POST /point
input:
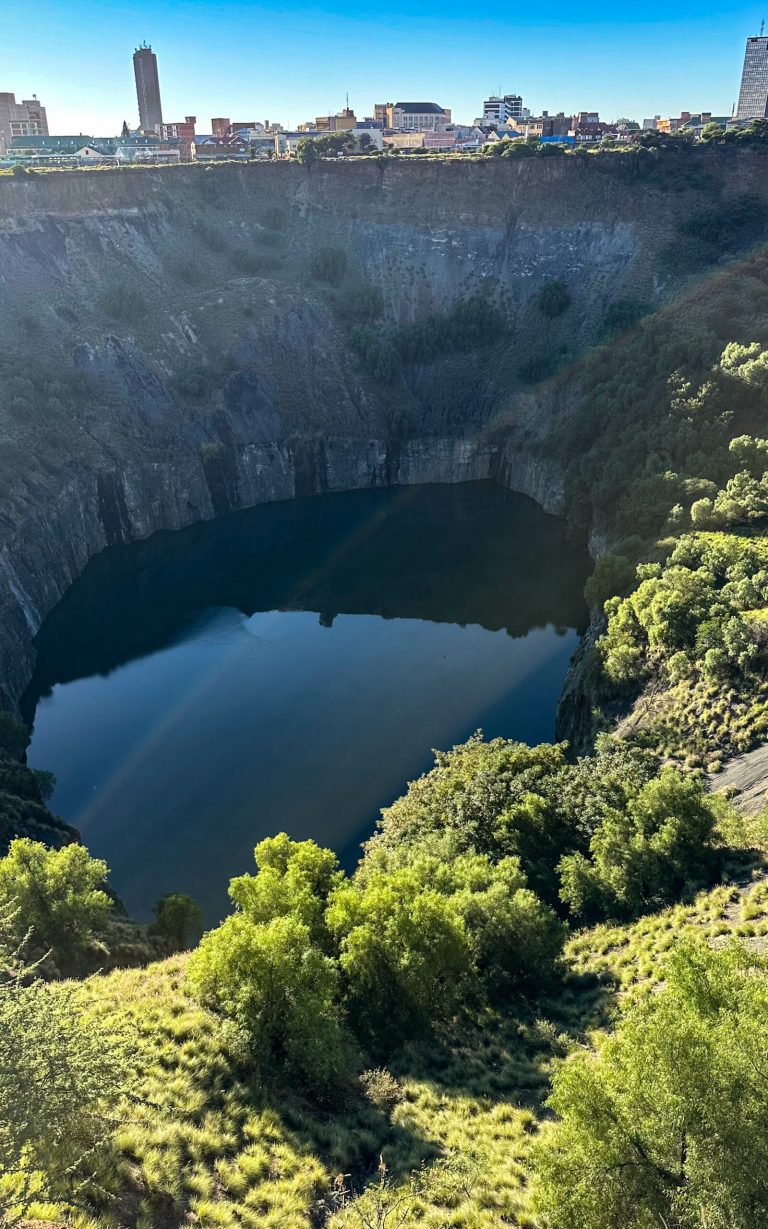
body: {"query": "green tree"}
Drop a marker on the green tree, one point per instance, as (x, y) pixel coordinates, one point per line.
(405, 955)
(711, 132)
(643, 854)
(554, 298)
(280, 988)
(59, 895)
(63, 1070)
(307, 152)
(14, 736)
(178, 920)
(613, 574)
(666, 1124)
(295, 878)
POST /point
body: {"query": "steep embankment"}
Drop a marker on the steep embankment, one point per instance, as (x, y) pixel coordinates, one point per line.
(177, 343)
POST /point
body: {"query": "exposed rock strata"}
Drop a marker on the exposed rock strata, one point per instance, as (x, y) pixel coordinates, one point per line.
(167, 354)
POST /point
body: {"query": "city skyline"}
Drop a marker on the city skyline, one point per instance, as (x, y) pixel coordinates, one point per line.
(292, 66)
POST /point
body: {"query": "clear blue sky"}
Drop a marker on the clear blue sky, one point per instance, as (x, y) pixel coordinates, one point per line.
(290, 63)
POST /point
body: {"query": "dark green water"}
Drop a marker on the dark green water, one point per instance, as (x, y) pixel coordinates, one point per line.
(290, 668)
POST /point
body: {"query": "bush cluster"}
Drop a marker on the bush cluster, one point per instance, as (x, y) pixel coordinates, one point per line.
(390, 952)
(667, 1122)
(467, 326)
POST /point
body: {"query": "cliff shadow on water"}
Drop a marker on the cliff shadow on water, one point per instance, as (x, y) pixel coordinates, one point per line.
(289, 666)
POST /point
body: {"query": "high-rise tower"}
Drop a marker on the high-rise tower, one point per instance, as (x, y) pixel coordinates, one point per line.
(753, 95)
(147, 88)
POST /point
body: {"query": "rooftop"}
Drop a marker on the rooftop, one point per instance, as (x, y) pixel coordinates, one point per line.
(419, 108)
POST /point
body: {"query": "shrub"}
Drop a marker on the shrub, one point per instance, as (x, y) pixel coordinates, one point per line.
(643, 857)
(623, 315)
(553, 299)
(294, 879)
(178, 920)
(280, 988)
(14, 736)
(537, 367)
(381, 1088)
(63, 1071)
(667, 1123)
(58, 895)
(404, 952)
(359, 303)
(613, 574)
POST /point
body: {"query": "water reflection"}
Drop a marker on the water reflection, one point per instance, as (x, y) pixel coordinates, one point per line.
(290, 667)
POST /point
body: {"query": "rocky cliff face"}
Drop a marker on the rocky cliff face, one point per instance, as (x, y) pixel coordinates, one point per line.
(176, 343)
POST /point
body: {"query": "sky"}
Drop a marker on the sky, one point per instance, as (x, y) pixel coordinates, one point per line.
(290, 62)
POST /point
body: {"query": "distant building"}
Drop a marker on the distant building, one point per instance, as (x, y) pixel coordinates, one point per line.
(80, 150)
(147, 89)
(183, 134)
(687, 121)
(753, 95)
(342, 121)
(217, 148)
(546, 125)
(408, 141)
(20, 119)
(220, 126)
(498, 109)
(412, 116)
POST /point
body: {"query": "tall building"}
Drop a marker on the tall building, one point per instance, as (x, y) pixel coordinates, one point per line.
(498, 109)
(147, 88)
(753, 95)
(20, 119)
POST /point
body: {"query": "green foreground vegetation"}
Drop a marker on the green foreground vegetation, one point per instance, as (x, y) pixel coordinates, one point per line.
(389, 1048)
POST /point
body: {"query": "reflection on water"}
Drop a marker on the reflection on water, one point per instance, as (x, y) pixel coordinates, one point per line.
(290, 667)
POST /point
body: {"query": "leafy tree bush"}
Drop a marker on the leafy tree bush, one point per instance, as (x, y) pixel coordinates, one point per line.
(59, 895)
(554, 298)
(613, 816)
(623, 315)
(294, 879)
(381, 1088)
(643, 856)
(667, 1123)
(359, 303)
(404, 952)
(700, 600)
(14, 736)
(63, 1069)
(310, 149)
(469, 325)
(536, 368)
(178, 920)
(280, 988)
(613, 574)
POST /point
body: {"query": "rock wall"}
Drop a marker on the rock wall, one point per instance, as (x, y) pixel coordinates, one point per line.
(169, 348)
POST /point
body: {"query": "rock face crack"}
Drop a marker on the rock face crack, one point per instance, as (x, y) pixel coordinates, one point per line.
(113, 512)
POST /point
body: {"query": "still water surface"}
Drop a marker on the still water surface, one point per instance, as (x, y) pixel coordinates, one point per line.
(290, 668)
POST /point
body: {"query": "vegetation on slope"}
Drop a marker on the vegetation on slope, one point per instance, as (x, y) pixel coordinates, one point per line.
(247, 1082)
